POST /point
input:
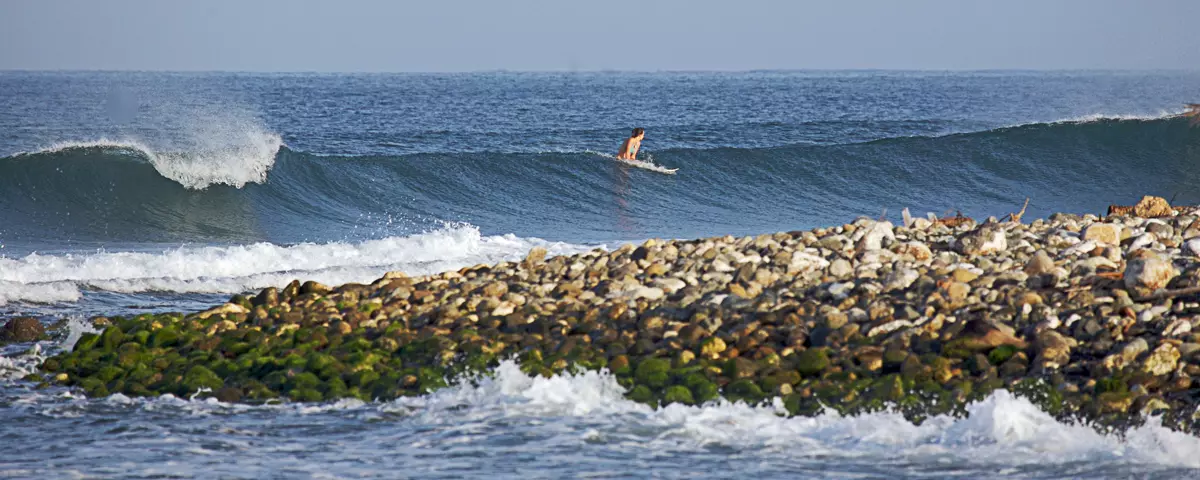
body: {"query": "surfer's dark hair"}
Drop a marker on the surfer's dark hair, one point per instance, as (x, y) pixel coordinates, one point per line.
(638, 131)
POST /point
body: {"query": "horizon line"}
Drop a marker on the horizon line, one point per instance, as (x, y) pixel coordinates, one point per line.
(614, 71)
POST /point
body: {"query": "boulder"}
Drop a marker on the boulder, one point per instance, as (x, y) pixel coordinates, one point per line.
(1147, 270)
(22, 329)
(1149, 207)
(873, 236)
(1108, 233)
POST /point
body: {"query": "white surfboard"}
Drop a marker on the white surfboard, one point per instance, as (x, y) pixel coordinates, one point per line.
(643, 164)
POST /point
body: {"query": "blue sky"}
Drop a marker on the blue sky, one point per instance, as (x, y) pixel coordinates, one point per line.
(472, 35)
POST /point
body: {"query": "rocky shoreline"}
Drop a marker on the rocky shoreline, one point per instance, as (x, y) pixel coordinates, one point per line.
(1090, 318)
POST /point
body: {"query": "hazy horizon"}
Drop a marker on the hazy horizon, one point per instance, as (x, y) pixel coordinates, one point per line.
(374, 36)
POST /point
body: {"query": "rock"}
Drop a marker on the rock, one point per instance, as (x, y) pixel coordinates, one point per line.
(670, 285)
(840, 268)
(1162, 360)
(1150, 207)
(506, 308)
(1039, 264)
(1053, 350)
(313, 287)
(1192, 247)
(712, 347)
(986, 239)
(981, 336)
(873, 236)
(900, 279)
(919, 251)
(1108, 233)
(22, 329)
(803, 262)
(226, 309)
(963, 275)
(648, 293)
(957, 292)
(536, 256)
(1148, 270)
(1129, 352)
(841, 290)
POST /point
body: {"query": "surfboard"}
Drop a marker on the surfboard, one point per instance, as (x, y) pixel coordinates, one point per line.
(653, 167)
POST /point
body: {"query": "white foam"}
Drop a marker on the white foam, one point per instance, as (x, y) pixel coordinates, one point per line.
(245, 157)
(1001, 432)
(199, 147)
(233, 269)
(1003, 429)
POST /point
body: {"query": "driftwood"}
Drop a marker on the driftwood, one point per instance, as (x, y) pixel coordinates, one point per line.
(954, 221)
(1016, 217)
(1119, 210)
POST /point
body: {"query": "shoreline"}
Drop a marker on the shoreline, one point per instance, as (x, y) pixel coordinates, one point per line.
(1090, 318)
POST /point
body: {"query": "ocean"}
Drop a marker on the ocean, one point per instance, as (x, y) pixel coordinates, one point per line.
(131, 192)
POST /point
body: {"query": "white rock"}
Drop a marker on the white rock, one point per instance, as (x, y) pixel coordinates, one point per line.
(841, 290)
(648, 293)
(1148, 270)
(900, 279)
(505, 308)
(1079, 248)
(1143, 241)
(873, 235)
(803, 262)
(1192, 247)
(889, 327)
(1109, 233)
(670, 284)
(1178, 327)
(840, 268)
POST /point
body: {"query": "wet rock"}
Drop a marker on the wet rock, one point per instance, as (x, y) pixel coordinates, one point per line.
(226, 309)
(22, 329)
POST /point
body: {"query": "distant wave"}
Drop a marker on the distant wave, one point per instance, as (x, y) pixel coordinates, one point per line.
(122, 191)
(241, 161)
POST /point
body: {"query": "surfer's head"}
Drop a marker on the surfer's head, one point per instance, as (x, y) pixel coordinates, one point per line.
(637, 132)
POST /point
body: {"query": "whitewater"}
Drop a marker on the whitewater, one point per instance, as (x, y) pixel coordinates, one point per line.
(214, 185)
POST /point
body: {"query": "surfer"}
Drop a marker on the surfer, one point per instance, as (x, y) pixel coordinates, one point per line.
(629, 149)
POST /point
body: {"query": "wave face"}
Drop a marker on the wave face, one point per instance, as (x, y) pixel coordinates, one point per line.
(81, 194)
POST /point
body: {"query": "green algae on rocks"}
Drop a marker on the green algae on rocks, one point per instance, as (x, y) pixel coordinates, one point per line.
(922, 318)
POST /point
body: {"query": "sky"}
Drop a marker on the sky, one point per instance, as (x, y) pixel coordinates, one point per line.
(572, 35)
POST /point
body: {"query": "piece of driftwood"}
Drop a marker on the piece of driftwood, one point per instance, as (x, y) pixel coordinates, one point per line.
(956, 220)
(1016, 217)
(1119, 210)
